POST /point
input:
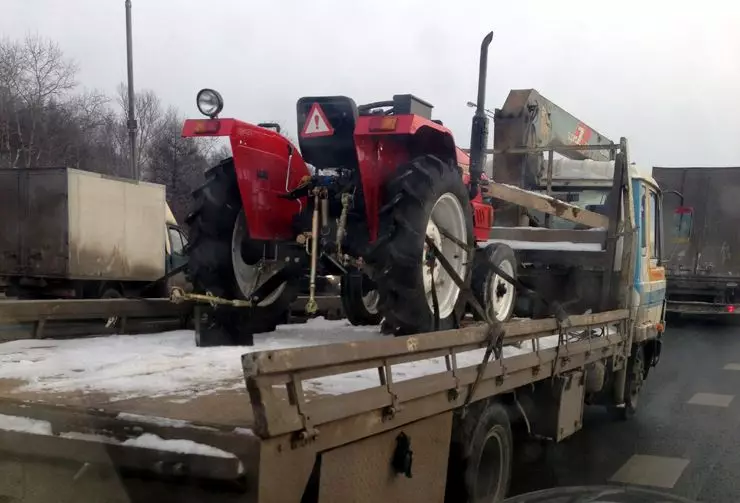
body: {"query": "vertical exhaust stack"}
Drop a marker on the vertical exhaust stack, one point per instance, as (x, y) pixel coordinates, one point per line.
(479, 133)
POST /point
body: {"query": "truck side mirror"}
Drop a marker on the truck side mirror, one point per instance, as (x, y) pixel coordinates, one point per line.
(683, 221)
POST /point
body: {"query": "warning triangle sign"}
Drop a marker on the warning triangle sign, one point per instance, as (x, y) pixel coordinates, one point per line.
(316, 123)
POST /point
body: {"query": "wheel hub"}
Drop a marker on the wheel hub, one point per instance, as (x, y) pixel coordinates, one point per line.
(250, 273)
(370, 300)
(447, 214)
(502, 292)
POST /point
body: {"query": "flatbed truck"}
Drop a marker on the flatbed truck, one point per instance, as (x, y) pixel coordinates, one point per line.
(427, 417)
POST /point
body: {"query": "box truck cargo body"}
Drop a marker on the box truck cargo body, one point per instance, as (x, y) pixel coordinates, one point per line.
(63, 226)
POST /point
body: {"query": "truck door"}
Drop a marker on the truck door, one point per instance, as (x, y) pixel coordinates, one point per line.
(651, 283)
(176, 256)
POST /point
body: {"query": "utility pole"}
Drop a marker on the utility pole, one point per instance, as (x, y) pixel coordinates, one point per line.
(132, 126)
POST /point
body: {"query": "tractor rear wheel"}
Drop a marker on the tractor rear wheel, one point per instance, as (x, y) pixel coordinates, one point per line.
(426, 197)
(223, 261)
(360, 299)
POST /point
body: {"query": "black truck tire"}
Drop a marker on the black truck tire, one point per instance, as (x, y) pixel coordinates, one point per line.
(481, 454)
(211, 267)
(632, 386)
(360, 297)
(425, 187)
(110, 292)
(496, 295)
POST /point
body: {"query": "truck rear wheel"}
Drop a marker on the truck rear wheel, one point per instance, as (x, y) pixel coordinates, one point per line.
(224, 262)
(496, 295)
(426, 197)
(109, 292)
(360, 299)
(479, 469)
(633, 384)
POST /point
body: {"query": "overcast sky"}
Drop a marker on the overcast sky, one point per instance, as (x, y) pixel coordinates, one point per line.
(664, 74)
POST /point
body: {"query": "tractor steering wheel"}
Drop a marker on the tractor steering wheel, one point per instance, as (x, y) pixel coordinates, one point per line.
(371, 108)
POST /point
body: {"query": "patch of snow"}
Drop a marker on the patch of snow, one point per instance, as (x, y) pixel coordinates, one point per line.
(364, 379)
(160, 421)
(25, 425)
(182, 446)
(89, 437)
(151, 441)
(154, 365)
(244, 431)
(539, 245)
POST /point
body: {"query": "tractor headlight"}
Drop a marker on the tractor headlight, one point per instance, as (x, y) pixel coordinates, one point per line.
(210, 102)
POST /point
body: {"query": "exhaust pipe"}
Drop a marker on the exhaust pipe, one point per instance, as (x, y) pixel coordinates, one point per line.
(479, 133)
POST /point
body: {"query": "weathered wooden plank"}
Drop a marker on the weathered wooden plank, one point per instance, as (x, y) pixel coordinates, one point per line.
(547, 204)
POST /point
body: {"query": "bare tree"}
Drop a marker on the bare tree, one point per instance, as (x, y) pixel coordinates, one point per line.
(176, 162)
(46, 76)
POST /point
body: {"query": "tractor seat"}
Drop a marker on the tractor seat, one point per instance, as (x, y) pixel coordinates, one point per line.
(329, 145)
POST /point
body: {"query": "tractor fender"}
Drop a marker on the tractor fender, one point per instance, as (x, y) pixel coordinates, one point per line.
(266, 165)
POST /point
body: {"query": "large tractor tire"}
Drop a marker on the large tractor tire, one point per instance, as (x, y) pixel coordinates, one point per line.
(496, 295)
(426, 197)
(360, 299)
(225, 263)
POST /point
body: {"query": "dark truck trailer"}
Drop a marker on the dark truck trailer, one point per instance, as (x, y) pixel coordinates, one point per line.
(702, 240)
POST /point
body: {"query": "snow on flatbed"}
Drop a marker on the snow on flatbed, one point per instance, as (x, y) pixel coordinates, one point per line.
(166, 376)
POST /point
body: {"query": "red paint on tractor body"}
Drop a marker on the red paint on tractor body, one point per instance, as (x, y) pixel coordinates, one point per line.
(261, 164)
(381, 152)
(482, 211)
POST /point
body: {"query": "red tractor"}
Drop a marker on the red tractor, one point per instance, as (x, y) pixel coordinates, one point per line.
(369, 187)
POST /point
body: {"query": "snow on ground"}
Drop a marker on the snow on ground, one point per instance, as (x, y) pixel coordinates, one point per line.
(548, 245)
(152, 365)
(24, 425)
(169, 364)
(355, 381)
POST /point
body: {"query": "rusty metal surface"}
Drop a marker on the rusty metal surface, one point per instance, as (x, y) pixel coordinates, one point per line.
(554, 126)
(66, 223)
(10, 222)
(360, 472)
(713, 249)
(33, 206)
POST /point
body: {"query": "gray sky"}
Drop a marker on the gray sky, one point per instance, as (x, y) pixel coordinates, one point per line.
(665, 74)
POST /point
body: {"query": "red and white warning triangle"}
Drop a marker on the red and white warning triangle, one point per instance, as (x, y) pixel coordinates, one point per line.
(316, 124)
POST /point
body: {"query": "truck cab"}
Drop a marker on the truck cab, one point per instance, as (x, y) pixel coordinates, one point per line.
(649, 277)
(175, 243)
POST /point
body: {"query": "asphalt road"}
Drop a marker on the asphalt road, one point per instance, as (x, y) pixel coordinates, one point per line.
(685, 438)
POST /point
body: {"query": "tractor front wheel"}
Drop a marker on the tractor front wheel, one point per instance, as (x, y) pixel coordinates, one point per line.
(225, 262)
(426, 198)
(360, 299)
(496, 295)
